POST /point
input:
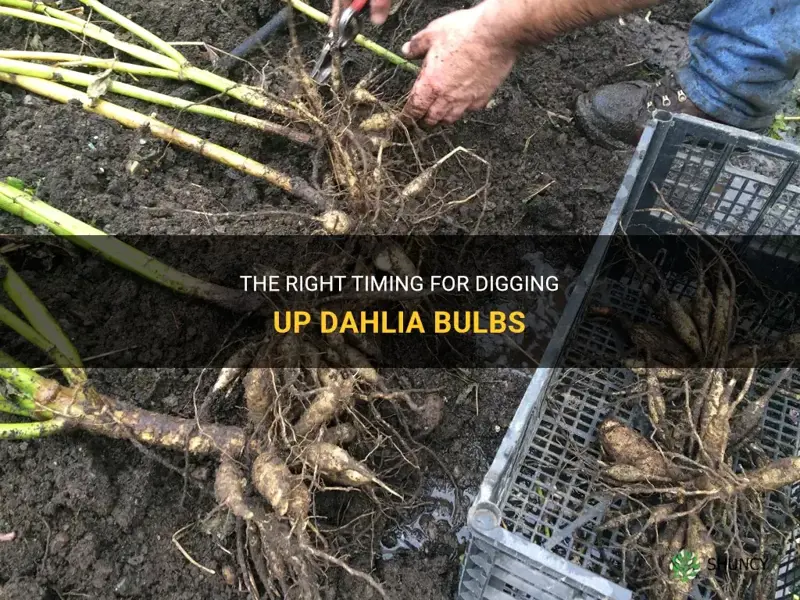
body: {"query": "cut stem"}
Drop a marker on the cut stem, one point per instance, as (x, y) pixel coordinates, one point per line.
(44, 9)
(34, 337)
(137, 30)
(362, 41)
(84, 79)
(26, 384)
(92, 31)
(37, 314)
(76, 60)
(183, 70)
(12, 408)
(244, 93)
(26, 381)
(23, 406)
(134, 120)
(35, 211)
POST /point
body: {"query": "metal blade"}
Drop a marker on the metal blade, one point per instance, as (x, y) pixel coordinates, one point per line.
(324, 65)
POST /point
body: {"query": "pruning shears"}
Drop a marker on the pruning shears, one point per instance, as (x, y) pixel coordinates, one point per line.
(349, 27)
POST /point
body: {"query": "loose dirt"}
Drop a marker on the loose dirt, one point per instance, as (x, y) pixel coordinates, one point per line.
(95, 518)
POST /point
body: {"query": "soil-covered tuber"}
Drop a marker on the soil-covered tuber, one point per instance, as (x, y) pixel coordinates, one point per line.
(775, 475)
(229, 488)
(332, 400)
(260, 393)
(336, 465)
(626, 446)
(286, 492)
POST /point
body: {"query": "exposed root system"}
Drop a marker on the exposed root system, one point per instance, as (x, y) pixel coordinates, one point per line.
(698, 481)
(322, 449)
(367, 164)
(312, 429)
(376, 167)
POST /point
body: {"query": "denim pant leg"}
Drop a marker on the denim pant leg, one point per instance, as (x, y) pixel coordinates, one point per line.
(745, 55)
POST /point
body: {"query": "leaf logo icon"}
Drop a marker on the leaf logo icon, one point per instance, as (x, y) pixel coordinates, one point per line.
(685, 566)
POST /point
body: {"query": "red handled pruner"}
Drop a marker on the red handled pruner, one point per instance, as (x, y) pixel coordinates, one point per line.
(349, 28)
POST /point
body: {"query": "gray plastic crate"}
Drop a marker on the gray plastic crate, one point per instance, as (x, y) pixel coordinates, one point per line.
(533, 520)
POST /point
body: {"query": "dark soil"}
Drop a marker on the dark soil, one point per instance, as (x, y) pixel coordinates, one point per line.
(95, 518)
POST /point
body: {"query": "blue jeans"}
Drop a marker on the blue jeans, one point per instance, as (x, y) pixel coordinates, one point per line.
(745, 56)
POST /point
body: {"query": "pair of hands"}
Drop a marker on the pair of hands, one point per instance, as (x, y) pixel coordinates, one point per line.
(464, 63)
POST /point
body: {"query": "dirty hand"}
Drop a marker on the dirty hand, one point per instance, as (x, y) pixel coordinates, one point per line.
(465, 62)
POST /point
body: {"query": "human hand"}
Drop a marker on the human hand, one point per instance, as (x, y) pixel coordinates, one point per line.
(378, 9)
(464, 64)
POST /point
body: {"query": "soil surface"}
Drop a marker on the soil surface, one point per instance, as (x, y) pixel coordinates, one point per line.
(95, 518)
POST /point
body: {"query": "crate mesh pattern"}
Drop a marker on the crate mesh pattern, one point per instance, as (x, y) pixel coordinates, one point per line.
(727, 183)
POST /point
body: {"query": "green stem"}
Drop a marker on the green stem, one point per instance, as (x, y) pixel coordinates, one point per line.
(7, 360)
(362, 41)
(27, 384)
(58, 345)
(244, 93)
(137, 30)
(37, 212)
(295, 186)
(37, 314)
(76, 60)
(124, 89)
(42, 8)
(94, 32)
(24, 380)
(31, 431)
(12, 408)
(388, 56)
(35, 338)
(791, 119)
